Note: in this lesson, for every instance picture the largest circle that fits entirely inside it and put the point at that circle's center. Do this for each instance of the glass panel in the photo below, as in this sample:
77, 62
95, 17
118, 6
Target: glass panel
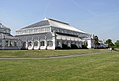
36, 43
6, 43
29, 43
0, 43
42, 43
15, 44
50, 43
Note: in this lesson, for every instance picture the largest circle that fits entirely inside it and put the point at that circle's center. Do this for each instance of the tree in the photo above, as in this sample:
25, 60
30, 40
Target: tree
109, 42
117, 43
96, 41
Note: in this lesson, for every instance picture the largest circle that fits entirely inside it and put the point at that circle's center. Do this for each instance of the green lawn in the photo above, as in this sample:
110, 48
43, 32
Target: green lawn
45, 53
102, 67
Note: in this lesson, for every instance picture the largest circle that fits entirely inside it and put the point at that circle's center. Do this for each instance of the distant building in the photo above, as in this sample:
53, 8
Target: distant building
7, 41
52, 34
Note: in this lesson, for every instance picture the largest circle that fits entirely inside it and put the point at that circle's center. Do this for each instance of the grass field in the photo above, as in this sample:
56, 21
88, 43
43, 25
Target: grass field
45, 53
101, 67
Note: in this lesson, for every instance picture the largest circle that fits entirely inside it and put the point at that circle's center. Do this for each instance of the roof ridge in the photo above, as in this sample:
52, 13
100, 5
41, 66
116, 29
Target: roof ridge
58, 21
40, 23
2, 26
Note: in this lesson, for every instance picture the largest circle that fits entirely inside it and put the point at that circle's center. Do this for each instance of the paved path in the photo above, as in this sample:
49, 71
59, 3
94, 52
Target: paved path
51, 57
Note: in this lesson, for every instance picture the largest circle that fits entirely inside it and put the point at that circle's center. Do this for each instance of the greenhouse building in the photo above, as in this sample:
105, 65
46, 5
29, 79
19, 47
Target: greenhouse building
52, 34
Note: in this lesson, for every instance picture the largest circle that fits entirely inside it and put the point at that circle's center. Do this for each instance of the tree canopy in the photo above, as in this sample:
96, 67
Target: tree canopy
117, 43
109, 42
96, 41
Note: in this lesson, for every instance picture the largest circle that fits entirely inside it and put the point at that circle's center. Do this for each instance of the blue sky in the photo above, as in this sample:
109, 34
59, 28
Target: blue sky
100, 17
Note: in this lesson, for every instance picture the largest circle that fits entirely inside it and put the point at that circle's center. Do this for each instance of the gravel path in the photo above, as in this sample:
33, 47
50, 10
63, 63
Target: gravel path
51, 57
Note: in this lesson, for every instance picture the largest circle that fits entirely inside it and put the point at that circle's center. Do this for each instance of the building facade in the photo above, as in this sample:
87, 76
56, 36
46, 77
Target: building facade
7, 41
52, 34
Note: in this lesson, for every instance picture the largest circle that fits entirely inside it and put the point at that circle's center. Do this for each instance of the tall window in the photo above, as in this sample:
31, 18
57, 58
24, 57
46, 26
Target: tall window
6, 43
36, 43
24, 45
42, 43
29, 43
15, 43
0, 43
47, 29
49, 43
58, 43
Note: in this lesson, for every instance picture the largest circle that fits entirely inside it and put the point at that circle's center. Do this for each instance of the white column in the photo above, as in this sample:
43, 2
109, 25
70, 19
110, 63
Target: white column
9, 43
26, 45
69, 43
46, 43
80, 44
53, 40
61, 43
32, 45
77, 44
89, 43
